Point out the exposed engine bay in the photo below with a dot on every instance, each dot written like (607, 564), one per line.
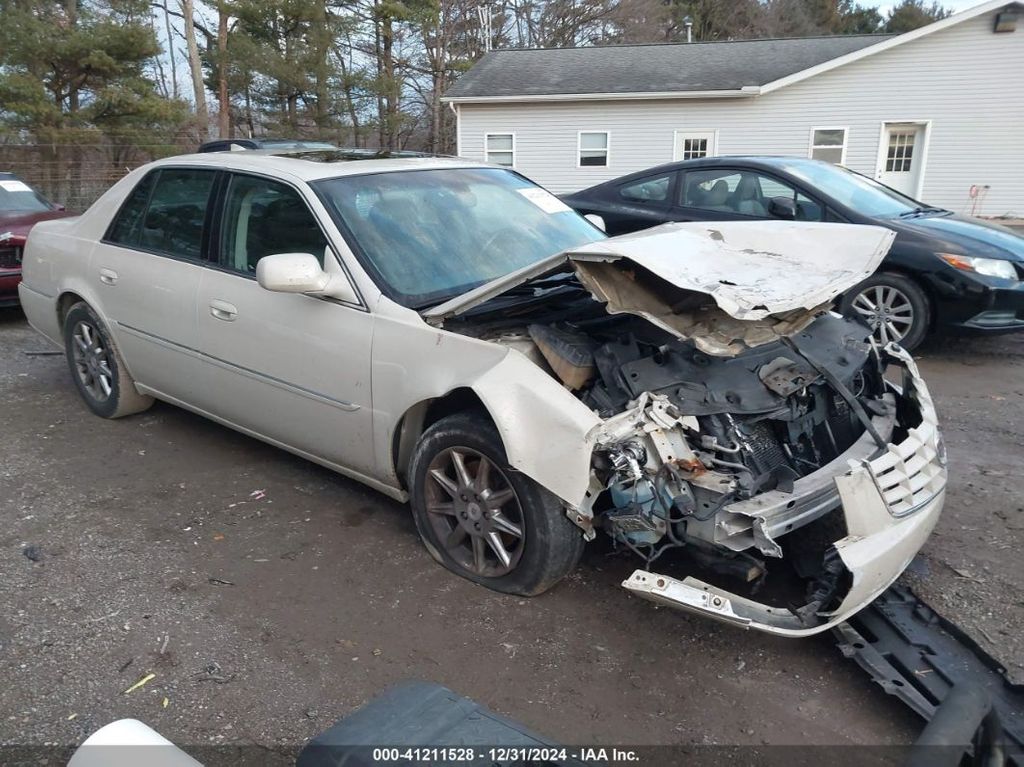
(744, 426)
(707, 453)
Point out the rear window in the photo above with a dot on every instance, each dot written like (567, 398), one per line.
(18, 197)
(165, 213)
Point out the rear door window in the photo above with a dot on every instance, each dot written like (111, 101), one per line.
(651, 190)
(166, 213)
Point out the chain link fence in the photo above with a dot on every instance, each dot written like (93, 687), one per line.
(76, 174)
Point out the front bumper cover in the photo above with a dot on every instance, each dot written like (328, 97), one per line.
(890, 503)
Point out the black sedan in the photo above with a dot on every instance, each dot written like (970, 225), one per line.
(944, 272)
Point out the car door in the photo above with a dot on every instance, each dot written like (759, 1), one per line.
(147, 269)
(291, 368)
(731, 194)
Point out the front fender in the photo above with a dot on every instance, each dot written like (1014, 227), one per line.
(543, 426)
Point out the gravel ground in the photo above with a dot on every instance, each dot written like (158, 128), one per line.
(269, 596)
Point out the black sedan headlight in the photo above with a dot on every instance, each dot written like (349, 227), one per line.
(991, 267)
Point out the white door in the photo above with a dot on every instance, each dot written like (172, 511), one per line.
(902, 157)
(290, 367)
(692, 145)
(148, 267)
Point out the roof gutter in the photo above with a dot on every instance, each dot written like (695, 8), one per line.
(744, 92)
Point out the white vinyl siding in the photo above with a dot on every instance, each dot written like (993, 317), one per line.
(965, 80)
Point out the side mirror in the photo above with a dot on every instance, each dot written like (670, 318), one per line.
(59, 207)
(596, 220)
(301, 273)
(782, 207)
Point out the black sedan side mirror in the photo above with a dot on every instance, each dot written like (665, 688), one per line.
(782, 207)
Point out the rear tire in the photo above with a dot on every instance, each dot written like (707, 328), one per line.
(894, 307)
(481, 518)
(96, 366)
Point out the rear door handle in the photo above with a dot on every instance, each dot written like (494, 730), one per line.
(108, 276)
(222, 310)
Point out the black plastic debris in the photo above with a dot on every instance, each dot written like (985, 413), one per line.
(33, 552)
(975, 714)
(425, 723)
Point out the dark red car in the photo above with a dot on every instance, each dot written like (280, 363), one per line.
(21, 206)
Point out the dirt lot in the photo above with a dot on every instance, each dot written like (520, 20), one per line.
(269, 596)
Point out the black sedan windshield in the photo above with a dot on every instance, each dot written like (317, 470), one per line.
(429, 235)
(853, 190)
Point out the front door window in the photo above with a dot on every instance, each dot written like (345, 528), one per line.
(262, 218)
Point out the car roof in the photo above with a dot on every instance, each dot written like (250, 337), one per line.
(312, 166)
(751, 161)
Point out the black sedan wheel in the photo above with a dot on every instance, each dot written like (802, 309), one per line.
(894, 307)
(482, 519)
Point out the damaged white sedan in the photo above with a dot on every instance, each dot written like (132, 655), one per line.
(453, 335)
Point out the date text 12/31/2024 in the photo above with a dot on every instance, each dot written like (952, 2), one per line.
(503, 754)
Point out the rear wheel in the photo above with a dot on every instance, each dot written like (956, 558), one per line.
(894, 307)
(96, 366)
(482, 519)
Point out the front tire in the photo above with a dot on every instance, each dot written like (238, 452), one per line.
(894, 307)
(481, 518)
(96, 366)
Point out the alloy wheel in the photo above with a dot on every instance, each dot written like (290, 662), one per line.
(92, 361)
(888, 311)
(474, 512)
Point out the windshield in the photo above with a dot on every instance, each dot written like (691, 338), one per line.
(18, 197)
(429, 235)
(857, 192)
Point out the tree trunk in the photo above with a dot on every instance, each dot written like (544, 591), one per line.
(196, 67)
(171, 53)
(223, 103)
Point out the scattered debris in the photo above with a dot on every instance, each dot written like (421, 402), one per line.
(213, 672)
(898, 632)
(377, 651)
(965, 574)
(141, 683)
(220, 582)
(165, 703)
(218, 536)
(258, 495)
(33, 552)
(72, 717)
(163, 647)
(124, 666)
(103, 617)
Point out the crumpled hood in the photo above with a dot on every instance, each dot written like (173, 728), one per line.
(769, 273)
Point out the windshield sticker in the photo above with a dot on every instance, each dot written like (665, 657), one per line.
(544, 200)
(14, 186)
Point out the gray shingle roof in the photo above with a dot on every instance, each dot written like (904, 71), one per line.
(677, 67)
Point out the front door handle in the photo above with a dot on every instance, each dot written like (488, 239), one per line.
(222, 310)
(108, 276)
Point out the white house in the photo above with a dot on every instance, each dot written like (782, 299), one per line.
(937, 112)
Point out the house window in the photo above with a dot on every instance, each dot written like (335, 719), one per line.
(691, 145)
(593, 148)
(829, 144)
(501, 149)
